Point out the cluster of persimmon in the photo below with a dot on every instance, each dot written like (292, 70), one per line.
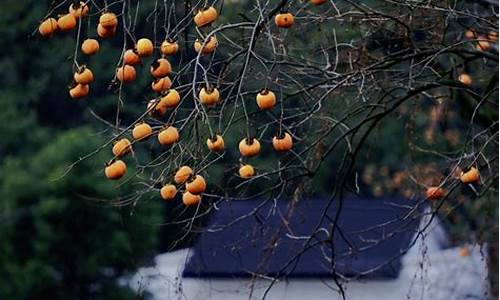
(203, 18)
(469, 177)
(483, 40)
(194, 186)
(483, 43)
(83, 76)
(250, 147)
(65, 22)
(167, 97)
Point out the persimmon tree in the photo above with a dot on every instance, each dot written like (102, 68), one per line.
(263, 98)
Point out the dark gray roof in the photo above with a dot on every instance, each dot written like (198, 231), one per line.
(266, 240)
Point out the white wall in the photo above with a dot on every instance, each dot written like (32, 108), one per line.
(428, 273)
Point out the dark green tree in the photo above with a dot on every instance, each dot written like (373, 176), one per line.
(58, 242)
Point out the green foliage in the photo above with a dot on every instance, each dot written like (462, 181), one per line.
(57, 243)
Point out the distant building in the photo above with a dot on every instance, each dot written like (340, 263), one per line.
(378, 255)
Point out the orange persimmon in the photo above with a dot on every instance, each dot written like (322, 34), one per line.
(216, 143)
(90, 46)
(141, 131)
(48, 27)
(115, 169)
(249, 147)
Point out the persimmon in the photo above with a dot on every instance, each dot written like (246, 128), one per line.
(246, 171)
(464, 251)
(209, 96)
(190, 200)
(130, 57)
(434, 193)
(168, 136)
(284, 20)
(216, 143)
(115, 169)
(126, 73)
(483, 44)
(48, 27)
(141, 131)
(144, 47)
(108, 20)
(90, 46)
(183, 174)
(205, 16)
(104, 32)
(469, 34)
(79, 10)
(470, 176)
(171, 98)
(209, 46)
(249, 147)
(79, 91)
(169, 47)
(318, 2)
(121, 147)
(465, 79)
(160, 68)
(196, 185)
(161, 84)
(156, 108)
(266, 99)
(283, 143)
(493, 35)
(66, 22)
(168, 192)
(84, 75)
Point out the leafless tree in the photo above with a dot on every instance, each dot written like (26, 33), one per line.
(340, 73)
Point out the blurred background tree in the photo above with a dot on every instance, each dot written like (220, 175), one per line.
(57, 242)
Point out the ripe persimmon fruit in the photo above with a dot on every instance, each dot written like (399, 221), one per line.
(160, 68)
(126, 73)
(183, 174)
(196, 185)
(246, 171)
(283, 143)
(144, 47)
(83, 75)
(266, 99)
(90, 46)
(48, 27)
(121, 147)
(216, 143)
(168, 192)
(284, 20)
(190, 199)
(141, 131)
(168, 136)
(205, 16)
(209, 96)
(249, 147)
(115, 169)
